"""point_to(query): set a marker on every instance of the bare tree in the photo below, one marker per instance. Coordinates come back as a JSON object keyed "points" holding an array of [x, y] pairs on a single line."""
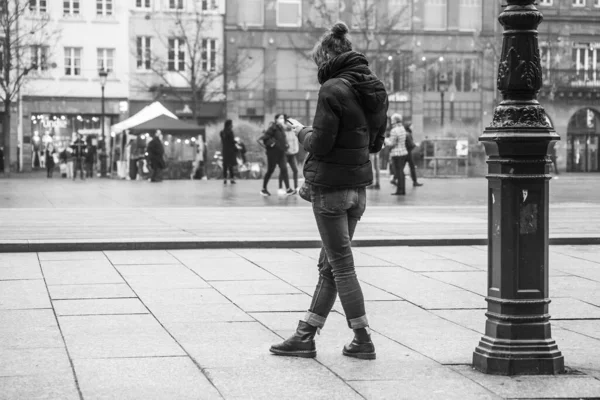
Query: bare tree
{"points": [[23, 31], [192, 64]]}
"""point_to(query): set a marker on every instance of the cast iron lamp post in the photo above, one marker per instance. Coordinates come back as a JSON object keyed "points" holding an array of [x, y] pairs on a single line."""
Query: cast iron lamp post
{"points": [[517, 337], [103, 75]]}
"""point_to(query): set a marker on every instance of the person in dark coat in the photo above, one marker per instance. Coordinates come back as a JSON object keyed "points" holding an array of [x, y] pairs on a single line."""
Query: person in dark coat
{"points": [[228, 151], [349, 124], [410, 146], [79, 149], [156, 157], [275, 142], [50, 164]]}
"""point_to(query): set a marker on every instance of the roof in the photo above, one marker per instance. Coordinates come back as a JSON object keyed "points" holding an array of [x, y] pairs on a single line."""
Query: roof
{"points": [[166, 124], [145, 114]]}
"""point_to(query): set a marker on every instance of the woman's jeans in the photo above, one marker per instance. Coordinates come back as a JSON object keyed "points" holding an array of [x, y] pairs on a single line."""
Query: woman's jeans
{"points": [[291, 160], [276, 157], [337, 211]]}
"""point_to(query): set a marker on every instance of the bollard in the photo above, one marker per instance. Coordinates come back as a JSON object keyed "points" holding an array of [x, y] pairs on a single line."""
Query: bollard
{"points": [[517, 337]]}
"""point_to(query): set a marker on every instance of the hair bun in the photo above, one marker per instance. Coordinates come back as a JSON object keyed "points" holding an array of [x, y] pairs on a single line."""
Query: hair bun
{"points": [[339, 29]]}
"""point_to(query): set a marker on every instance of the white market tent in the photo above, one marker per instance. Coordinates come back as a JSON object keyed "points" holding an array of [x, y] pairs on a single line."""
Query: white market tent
{"points": [[147, 113]]}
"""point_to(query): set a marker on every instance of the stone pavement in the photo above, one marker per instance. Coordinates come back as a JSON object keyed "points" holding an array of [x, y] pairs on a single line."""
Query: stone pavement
{"points": [[198, 324]]}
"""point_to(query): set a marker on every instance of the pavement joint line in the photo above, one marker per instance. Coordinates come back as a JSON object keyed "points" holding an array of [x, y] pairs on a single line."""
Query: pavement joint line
{"points": [[62, 335]]}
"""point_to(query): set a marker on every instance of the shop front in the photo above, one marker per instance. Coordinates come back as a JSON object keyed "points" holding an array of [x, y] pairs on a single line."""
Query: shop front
{"points": [[583, 137]]}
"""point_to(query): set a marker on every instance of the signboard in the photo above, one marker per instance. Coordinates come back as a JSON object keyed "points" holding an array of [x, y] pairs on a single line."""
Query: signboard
{"points": [[399, 97], [462, 148]]}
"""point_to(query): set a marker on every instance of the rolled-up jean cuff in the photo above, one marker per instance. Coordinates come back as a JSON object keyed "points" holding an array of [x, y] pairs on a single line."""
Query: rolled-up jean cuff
{"points": [[357, 323], [314, 320]]}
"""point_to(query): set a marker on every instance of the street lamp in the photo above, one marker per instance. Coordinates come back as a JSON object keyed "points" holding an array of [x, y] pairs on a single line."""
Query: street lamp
{"points": [[103, 75]]}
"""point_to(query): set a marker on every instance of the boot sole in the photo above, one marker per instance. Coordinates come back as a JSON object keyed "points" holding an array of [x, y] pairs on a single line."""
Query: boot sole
{"points": [[361, 356], [299, 353]]}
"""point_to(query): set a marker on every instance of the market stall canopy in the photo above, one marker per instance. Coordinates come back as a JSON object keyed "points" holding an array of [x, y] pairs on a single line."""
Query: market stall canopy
{"points": [[166, 125], [147, 113]]}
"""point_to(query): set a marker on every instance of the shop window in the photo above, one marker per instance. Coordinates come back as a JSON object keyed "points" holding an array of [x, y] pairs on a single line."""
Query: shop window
{"points": [[436, 17], [106, 59], [400, 14], [364, 14], [38, 6], [70, 7], [251, 13], [72, 61], [470, 15], [104, 7], [145, 4], [144, 52], [176, 61], [463, 74], [289, 13], [209, 55], [586, 64], [578, 3]]}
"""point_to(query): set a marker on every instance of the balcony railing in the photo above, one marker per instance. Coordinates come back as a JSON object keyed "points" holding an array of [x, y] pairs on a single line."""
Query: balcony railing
{"points": [[571, 78]]}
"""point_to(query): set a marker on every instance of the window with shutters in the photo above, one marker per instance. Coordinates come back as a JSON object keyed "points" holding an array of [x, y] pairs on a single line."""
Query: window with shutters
{"points": [[106, 59], [436, 17], [72, 61], [71, 7], [289, 13], [176, 58], [209, 55], [470, 15], [39, 58], [144, 52], [251, 13], [38, 6]]}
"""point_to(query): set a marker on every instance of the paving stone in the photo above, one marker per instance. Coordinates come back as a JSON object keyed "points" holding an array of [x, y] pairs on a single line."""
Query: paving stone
{"points": [[421, 290], [25, 271], [535, 387], [422, 331], [272, 302], [128, 270], [23, 294], [195, 255], [296, 275], [241, 288], [226, 344], [473, 281], [79, 272], [198, 314], [470, 319], [143, 378], [110, 336], [580, 351], [184, 296], [98, 291], [287, 380], [71, 255], [589, 328], [34, 361], [18, 259], [99, 307], [24, 329], [43, 386], [576, 287], [182, 280], [435, 265], [281, 321], [275, 255], [228, 269], [141, 257], [422, 387], [570, 308]]}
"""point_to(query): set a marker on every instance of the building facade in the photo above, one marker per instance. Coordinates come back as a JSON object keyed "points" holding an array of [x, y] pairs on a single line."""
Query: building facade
{"points": [[570, 54], [418, 48], [176, 56], [62, 93]]}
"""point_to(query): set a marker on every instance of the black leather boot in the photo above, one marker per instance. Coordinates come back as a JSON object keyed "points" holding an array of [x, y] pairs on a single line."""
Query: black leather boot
{"points": [[300, 344], [361, 346]]}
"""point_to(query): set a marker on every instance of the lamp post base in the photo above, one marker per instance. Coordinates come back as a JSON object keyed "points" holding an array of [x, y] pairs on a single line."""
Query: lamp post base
{"points": [[518, 357]]}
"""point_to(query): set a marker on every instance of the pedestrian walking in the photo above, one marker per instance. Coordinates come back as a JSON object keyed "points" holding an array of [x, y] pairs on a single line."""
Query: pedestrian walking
{"points": [[228, 151], [398, 153], [275, 142], [79, 149], [198, 170], [49, 156], [410, 146], [291, 155], [349, 124], [156, 157]]}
